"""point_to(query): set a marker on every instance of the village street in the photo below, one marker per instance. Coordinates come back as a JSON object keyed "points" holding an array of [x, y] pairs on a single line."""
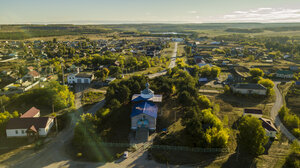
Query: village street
{"points": [[171, 65], [274, 113]]}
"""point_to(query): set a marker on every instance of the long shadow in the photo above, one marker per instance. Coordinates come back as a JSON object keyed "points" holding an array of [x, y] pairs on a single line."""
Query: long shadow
{"points": [[240, 159], [241, 101]]}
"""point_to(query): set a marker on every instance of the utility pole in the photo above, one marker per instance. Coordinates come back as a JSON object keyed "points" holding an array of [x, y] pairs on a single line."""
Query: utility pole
{"points": [[56, 125], [63, 76], [3, 107]]}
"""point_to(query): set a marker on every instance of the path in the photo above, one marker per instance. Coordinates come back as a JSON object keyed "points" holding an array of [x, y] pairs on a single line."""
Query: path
{"points": [[171, 65], [274, 113], [6, 60]]}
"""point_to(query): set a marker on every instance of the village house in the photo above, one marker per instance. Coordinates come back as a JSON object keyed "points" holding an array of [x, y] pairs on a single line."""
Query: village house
{"points": [[32, 75], [253, 112], [80, 78], [269, 127], [294, 68], [284, 74], [29, 124], [249, 88], [33, 112]]}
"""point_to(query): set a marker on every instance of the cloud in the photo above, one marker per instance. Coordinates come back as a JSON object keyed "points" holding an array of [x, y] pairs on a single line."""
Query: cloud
{"points": [[192, 12], [264, 15]]}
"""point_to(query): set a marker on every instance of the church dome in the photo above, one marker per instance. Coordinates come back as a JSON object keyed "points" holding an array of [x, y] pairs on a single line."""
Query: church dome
{"points": [[147, 93]]}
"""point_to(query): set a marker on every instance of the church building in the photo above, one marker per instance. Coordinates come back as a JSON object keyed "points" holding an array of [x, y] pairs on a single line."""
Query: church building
{"points": [[144, 112]]}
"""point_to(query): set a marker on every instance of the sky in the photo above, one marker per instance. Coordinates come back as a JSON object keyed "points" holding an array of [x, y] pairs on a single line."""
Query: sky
{"points": [[147, 11]]}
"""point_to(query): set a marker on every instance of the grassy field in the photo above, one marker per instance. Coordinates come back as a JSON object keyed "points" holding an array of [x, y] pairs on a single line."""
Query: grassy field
{"points": [[293, 99], [91, 97]]}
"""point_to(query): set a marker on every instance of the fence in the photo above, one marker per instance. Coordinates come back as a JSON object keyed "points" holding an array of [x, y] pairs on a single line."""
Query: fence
{"points": [[167, 147]]}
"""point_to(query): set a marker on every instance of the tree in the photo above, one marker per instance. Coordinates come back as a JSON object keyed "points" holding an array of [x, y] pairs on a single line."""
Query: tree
{"points": [[256, 72], [252, 135], [123, 94], [204, 102], [185, 98], [266, 83], [102, 74], [215, 71]]}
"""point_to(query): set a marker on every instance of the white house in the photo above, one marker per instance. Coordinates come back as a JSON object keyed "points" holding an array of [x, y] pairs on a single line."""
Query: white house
{"points": [[269, 127], [253, 112], [249, 89], [32, 75], [22, 127], [80, 78], [29, 124]]}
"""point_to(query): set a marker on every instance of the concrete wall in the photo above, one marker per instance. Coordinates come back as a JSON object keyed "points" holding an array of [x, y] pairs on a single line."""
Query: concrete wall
{"points": [[16, 132], [81, 80]]}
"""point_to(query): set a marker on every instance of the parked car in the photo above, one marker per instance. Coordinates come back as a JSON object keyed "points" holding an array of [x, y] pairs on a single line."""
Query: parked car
{"points": [[125, 155]]}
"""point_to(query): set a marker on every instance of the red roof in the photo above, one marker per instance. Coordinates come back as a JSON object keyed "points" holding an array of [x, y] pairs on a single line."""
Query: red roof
{"points": [[31, 68], [30, 113], [34, 73], [32, 128]]}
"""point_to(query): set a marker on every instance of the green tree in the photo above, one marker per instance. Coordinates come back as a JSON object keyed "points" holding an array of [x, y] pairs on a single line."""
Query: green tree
{"points": [[252, 135], [256, 72], [185, 98], [269, 84], [204, 102]]}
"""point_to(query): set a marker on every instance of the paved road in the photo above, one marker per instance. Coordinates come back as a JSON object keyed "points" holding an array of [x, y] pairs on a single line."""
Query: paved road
{"points": [[274, 113], [171, 65]]}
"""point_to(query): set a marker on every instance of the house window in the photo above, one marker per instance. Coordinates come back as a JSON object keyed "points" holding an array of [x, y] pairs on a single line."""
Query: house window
{"points": [[16, 131], [23, 131]]}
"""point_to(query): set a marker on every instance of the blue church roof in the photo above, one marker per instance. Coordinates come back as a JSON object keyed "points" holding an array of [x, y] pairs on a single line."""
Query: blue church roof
{"points": [[148, 108]]}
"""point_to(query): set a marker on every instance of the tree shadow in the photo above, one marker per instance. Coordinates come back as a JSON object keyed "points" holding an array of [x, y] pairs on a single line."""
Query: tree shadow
{"points": [[240, 159], [241, 100]]}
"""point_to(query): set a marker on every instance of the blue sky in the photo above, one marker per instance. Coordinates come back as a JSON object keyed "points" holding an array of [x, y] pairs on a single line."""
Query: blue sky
{"points": [[142, 11]]}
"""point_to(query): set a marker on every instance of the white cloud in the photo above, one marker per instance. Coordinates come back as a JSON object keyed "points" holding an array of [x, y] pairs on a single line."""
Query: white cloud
{"points": [[192, 12], [264, 15]]}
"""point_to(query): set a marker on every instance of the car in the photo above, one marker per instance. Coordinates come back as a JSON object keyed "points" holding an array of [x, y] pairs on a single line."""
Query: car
{"points": [[125, 155]]}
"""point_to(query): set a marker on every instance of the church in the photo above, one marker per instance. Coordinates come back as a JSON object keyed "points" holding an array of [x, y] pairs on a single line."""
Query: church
{"points": [[144, 111]]}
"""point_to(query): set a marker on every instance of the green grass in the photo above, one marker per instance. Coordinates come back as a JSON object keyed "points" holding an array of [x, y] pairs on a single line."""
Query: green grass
{"points": [[92, 97]]}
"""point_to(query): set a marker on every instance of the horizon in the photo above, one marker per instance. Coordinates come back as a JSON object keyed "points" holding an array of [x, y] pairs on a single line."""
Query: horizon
{"points": [[141, 11]]}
